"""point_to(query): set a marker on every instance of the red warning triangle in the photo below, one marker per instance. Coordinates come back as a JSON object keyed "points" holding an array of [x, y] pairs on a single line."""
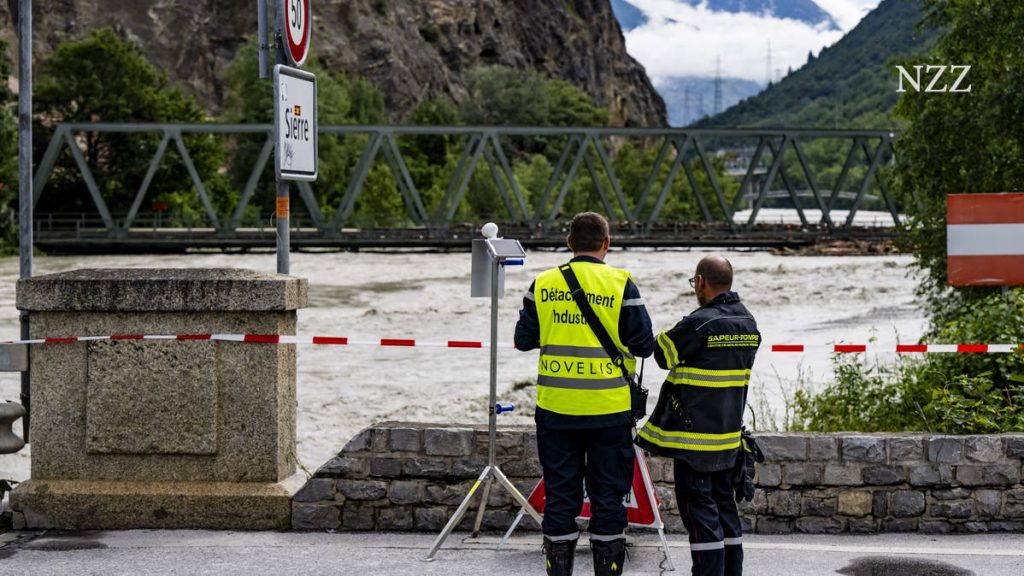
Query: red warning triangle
{"points": [[641, 502]]}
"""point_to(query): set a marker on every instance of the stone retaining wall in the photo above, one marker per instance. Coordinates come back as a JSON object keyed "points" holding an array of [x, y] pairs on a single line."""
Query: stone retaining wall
{"points": [[405, 476]]}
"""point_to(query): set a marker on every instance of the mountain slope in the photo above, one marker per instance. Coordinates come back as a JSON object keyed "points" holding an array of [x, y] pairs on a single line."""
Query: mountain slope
{"points": [[851, 84], [411, 49]]}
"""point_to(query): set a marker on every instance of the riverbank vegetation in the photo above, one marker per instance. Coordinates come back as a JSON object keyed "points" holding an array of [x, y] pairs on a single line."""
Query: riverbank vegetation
{"points": [[954, 144]]}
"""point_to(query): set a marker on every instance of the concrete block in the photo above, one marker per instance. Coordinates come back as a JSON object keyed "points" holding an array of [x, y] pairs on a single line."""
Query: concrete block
{"points": [[316, 490], [769, 525], [151, 397], [951, 494], [899, 525], [801, 474], [983, 448], [906, 449], [448, 494], [404, 440], [778, 447], [429, 519], [315, 516], [448, 441], [360, 442], [784, 503], [936, 527], [945, 449], [359, 518], [822, 448], [110, 505], [988, 502], [988, 475], [884, 475], [769, 475], [862, 525], [406, 492], [863, 449], [951, 509], [426, 467], [385, 467], [344, 467], [362, 489], [975, 527], [819, 525], [1014, 446], [395, 519], [819, 506], [161, 290], [906, 503], [930, 475], [843, 475], [879, 504], [1013, 506], [854, 503]]}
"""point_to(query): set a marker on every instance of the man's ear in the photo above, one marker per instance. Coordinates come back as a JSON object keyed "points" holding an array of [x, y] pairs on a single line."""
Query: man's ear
{"points": [[568, 242], [607, 242]]}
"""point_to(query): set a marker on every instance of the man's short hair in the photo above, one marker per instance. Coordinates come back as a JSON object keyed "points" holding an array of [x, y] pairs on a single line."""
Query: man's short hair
{"points": [[587, 232], [717, 272]]}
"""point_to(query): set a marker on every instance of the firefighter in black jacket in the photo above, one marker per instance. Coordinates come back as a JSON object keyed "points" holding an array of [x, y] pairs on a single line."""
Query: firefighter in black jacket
{"points": [[698, 419]]}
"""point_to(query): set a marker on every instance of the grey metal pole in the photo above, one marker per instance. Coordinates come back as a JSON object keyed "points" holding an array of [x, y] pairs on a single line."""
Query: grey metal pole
{"points": [[261, 37], [283, 207], [25, 178], [284, 242], [492, 413]]}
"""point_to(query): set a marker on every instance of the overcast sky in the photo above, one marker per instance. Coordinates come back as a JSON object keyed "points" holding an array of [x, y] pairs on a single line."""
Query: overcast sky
{"points": [[683, 40]]}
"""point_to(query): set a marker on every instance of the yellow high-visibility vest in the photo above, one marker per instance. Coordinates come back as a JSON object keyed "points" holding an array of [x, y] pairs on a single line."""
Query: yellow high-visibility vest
{"points": [[575, 376]]}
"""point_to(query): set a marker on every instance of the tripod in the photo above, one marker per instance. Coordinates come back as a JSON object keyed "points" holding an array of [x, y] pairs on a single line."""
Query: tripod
{"points": [[491, 472]]}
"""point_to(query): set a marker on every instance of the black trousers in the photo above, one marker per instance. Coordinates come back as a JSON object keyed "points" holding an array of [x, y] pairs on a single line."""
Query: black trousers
{"points": [[600, 457], [708, 508]]}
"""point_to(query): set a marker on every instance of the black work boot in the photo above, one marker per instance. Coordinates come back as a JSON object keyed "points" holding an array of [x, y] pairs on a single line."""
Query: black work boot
{"points": [[559, 555], [609, 556]]}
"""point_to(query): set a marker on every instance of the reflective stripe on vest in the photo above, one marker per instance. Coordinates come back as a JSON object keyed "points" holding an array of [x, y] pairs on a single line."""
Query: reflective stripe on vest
{"points": [[668, 348], [574, 374], [708, 378], [690, 440]]}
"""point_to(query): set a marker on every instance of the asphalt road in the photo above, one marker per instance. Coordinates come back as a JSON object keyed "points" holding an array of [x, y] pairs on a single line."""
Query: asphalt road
{"points": [[196, 552]]}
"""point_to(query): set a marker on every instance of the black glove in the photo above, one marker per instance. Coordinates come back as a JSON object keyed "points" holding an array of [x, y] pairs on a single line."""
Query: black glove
{"points": [[750, 454]]}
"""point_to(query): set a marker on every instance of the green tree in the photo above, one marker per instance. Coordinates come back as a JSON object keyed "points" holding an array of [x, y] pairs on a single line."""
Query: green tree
{"points": [[956, 143], [341, 100], [962, 143], [106, 78]]}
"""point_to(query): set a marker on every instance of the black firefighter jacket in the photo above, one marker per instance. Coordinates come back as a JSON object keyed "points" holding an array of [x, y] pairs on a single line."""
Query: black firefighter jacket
{"points": [[699, 414]]}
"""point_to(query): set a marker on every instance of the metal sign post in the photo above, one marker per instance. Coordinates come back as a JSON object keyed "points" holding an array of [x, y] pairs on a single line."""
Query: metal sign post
{"points": [[295, 112], [490, 256], [25, 178]]}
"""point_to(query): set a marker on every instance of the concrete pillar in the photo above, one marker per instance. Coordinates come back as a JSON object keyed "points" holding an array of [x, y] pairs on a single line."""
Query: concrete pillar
{"points": [[153, 433]]}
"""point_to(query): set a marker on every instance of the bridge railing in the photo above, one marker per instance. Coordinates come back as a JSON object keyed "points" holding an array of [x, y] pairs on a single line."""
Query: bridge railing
{"points": [[716, 169]]}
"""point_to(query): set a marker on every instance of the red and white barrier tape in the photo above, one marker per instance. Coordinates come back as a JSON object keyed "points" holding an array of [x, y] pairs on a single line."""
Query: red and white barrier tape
{"points": [[408, 342]]}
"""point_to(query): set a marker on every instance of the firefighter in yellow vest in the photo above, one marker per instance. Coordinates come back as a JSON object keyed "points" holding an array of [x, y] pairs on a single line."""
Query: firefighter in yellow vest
{"points": [[584, 427], [698, 419]]}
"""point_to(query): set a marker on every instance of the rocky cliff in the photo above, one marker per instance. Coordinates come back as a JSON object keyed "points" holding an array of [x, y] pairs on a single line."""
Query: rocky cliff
{"points": [[411, 49]]}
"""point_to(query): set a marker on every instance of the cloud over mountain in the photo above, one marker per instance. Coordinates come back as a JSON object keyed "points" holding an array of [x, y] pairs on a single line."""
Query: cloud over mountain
{"points": [[685, 37]]}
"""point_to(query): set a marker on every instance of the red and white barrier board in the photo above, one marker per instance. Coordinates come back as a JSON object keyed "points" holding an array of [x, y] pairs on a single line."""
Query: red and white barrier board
{"points": [[985, 239]]}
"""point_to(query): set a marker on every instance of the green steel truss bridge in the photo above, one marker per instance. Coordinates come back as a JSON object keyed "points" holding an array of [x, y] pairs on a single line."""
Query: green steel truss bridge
{"points": [[730, 174]]}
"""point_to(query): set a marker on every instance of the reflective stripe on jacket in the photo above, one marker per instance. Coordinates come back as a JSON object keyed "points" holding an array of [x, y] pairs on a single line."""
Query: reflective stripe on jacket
{"points": [[575, 376], [699, 414]]}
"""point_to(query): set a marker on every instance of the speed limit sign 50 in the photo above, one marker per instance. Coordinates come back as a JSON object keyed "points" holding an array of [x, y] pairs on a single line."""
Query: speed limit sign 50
{"points": [[298, 25]]}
